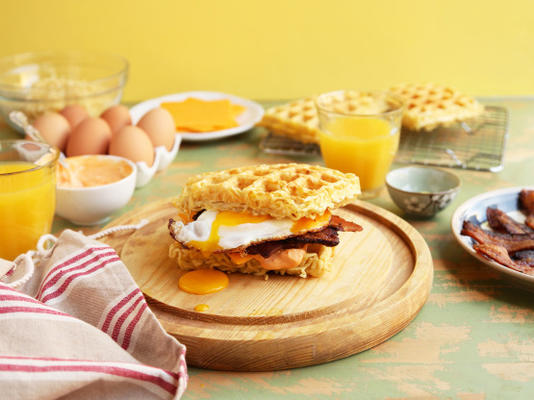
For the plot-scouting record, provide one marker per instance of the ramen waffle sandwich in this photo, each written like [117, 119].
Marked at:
[429, 106]
[262, 218]
[299, 119]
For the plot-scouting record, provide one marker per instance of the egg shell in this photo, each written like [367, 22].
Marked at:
[54, 128]
[159, 126]
[117, 117]
[132, 143]
[91, 136]
[74, 113]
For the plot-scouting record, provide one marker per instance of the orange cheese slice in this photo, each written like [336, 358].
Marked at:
[196, 115]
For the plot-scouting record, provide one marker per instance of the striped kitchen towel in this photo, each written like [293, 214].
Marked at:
[80, 328]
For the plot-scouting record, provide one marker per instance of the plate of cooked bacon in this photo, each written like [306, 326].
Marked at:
[498, 228]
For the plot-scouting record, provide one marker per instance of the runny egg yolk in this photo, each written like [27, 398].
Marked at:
[226, 218]
[235, 219]
[307, 224]
[203, 281]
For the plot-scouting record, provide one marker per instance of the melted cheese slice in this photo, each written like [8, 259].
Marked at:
[196, 115]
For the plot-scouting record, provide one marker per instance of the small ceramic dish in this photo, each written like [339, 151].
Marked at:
[93, 205]
[422, 191]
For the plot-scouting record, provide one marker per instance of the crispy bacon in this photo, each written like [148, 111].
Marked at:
[526, 201]
[526, 256]
[499, 254]
[328, 236]
[502, 222]
[511, 242]
[343, 225]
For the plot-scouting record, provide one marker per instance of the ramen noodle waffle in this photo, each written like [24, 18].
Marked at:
[316, 262]
[429, 106]
[282, 191]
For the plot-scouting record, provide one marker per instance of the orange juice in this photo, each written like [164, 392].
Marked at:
[364, 146]
[27, 203]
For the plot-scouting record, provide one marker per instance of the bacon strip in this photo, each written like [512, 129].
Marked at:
[328, 236]
[511, 242]
[499, 254]
[526, 255]
[502, 222]
[526, 201]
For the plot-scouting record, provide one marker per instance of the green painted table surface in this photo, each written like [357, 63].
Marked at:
[474, 338]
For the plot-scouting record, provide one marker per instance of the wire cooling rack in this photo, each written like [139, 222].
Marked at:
[478, 144]
[275, 144]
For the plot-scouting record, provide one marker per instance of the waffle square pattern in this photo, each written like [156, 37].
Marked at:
[428, 106]
[281, 190]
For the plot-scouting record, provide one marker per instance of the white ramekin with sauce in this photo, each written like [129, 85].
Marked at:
[93, 187]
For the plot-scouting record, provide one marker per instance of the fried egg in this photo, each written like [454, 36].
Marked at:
[215, 231]
[203, 281]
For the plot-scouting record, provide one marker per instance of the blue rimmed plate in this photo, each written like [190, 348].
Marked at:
[475, 208]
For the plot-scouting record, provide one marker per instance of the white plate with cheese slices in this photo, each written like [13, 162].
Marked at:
[247, 119]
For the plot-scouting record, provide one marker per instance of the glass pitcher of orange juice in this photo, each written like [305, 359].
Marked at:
[359, 133]
[27, 194]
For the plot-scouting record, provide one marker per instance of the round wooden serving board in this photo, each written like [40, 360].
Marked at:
[379, 280]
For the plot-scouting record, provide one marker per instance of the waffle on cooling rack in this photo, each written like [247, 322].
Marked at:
[428, 106]
[299, 119]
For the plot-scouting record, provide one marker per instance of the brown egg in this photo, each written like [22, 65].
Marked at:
[132, 143]
[117, 117]
[54, 128]
[159, 126]
[74, 114]
[91, 136]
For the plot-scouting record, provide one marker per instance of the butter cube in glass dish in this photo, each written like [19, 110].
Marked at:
[93, 187]
[422, 191]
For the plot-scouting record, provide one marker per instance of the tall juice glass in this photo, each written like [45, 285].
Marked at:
[27, 194]
[359, 133]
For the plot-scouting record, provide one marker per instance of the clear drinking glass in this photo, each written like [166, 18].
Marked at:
[27, 194]
[360, 133]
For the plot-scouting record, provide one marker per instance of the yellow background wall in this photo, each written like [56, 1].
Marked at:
[282, 49]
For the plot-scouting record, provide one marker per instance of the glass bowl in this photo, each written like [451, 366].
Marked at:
[37, 82]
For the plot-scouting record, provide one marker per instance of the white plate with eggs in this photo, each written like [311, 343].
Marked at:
[251, 116]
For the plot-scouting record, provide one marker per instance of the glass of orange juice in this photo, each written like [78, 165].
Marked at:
[359, 133]
[27, 194]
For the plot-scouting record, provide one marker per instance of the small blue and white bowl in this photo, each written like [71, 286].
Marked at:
[422, 191]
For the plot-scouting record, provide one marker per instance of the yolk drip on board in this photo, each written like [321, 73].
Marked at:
[202, 307]
[203, 281]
